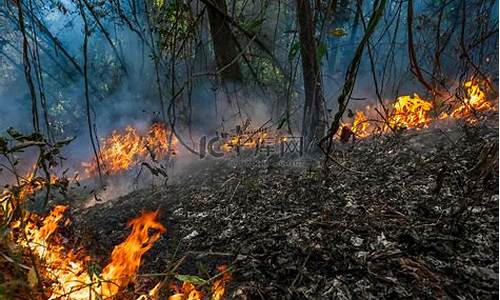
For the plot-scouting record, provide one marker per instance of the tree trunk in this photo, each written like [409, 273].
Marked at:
[312, 124]
[355, 23]
[226, 53]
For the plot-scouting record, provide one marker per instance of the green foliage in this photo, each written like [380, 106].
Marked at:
[191, 279]
[269, 74]
[174, 23]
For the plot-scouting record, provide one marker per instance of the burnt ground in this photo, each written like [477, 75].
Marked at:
[407, 216]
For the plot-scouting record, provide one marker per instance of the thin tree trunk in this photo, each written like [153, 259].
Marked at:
[312, 126]
[27, 69]
[355, 23]
[86, 85]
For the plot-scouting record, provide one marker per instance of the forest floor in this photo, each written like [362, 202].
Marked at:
[407, 216]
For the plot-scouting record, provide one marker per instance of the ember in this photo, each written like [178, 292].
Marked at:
[219, 286]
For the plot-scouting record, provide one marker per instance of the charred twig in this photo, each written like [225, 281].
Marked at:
[412, 54]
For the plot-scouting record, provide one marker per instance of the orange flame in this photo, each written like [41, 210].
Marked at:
[28, 185]
[474, 102]
[414, 112]
[219, 286]
[360, 125]
[245, 141]
[186, 292]
[410, 112]
[126, 257]
[123, 150]
[67, 270]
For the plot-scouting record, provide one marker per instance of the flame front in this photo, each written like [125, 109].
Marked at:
[123, 150]
[360, 125]
[126, 257]
[67, 270]
[414, 112]
[410, 112]
[475, 101]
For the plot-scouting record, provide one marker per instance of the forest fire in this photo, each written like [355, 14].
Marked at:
[219, 286]
[212, 150]
[65, 273]
[12, 197]
[244, 141]
[186, 291]
[476, 101]
[409, 112]
[414, 112]
[126, 257]
[67, 270]
[123, 150]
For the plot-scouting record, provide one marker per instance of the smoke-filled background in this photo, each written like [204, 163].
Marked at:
[160, 61]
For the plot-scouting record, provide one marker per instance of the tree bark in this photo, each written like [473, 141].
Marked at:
[225, 48]
[312, 124]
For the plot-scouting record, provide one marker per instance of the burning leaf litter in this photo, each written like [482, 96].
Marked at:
[414, 112]
[406, 230]
[68, 272]
[124, 150]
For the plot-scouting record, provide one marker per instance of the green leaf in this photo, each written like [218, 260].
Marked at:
[191, 279]
[337, 32]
